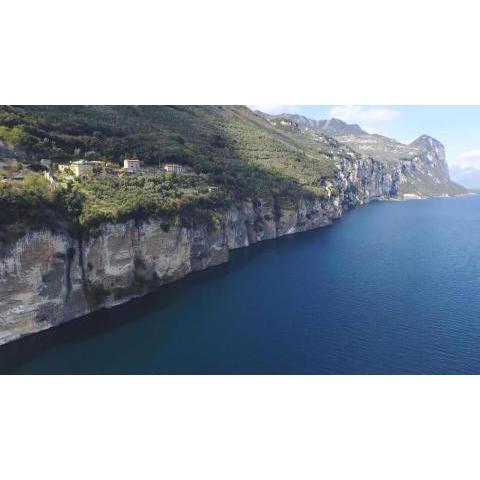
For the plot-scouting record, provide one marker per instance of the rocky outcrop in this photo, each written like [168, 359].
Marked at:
[426, 171]
[47, 278]
[420, 166]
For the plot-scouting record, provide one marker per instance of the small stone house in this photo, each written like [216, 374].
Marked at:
[80, 168]
[174, 168]
[131, 165]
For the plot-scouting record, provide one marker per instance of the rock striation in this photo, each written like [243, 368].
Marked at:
[50, 277]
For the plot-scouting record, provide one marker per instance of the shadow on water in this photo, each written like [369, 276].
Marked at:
[107, 320]
[104, 320]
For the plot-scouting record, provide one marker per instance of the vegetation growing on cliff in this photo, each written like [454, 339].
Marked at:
[195, 136]
[13, 135]
[230, 149]
[25, 202]
[231, 154]
[114, 199]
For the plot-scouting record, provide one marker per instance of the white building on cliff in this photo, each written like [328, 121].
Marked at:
[131, 165]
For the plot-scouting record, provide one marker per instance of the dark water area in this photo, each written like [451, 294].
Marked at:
[391, 288]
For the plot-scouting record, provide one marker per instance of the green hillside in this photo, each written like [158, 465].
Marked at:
[429, 177]
[229, 148]
[229, 152]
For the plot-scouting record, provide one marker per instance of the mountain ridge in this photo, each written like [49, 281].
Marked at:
[424, 158]
[86, 244]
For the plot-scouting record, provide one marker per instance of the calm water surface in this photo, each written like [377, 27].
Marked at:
[390, 288]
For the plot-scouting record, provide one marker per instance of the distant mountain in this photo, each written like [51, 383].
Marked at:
[422, 162]
[330, 127]
[69, 246]
[243, 155]
[469, 177]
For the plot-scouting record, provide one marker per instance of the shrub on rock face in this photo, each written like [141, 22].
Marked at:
[12, 136]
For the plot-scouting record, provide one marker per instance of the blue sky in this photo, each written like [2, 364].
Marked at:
[457, 127]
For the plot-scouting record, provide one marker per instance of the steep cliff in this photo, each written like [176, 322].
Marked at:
[421, 166]
[101, 242]
[48, 277]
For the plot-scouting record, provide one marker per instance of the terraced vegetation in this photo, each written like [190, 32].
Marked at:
[232, 154]
[230, 148]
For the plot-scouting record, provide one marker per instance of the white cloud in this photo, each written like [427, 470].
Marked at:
[469, 160]
[364, 115]
[276, 109]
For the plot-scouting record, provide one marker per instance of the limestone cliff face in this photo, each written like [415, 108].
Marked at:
[432, 156]
[47, 278]
[361, 179]
[426, 172]
[420, 167]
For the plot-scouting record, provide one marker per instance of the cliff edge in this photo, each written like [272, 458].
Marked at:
[88, 244]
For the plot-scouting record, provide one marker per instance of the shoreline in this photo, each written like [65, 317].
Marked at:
[218, 261]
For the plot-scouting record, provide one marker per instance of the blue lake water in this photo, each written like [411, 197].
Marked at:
[393, 287]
